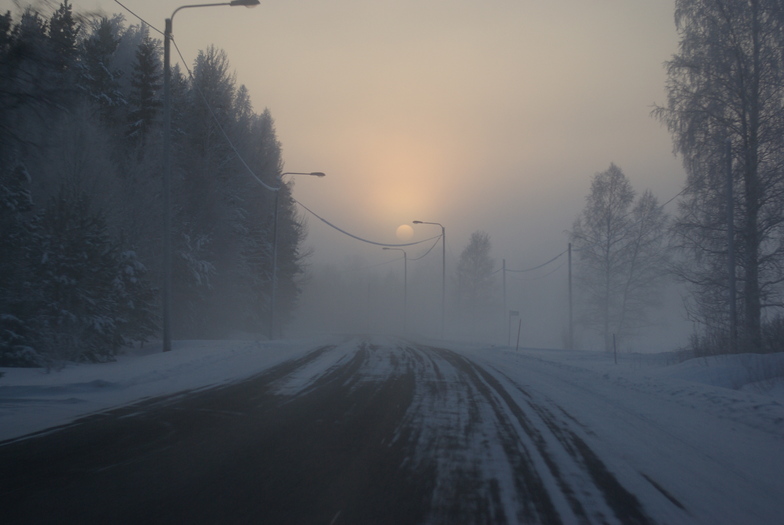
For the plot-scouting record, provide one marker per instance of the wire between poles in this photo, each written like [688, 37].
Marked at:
[538, 266]
[140, 18]
[435, 243]
[217, 122]
[344, 232]
[585, 247]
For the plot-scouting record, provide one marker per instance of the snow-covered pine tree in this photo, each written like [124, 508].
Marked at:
[146, 83]
[136, 310]
[16, 233]
[99, 77]
[76, 265]
[63, 35]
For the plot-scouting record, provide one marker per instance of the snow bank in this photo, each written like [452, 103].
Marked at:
[761, 374]
[32, 400]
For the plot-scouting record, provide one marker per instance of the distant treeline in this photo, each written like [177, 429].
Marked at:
[81, 201]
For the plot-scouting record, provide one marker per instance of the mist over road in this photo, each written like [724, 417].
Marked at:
[364, 431]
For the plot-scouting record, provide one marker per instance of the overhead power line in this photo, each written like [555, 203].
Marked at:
[539, 277]
[344, 232]
[217, 123]
[589, 245]
[539, 265]
[435, 242]
[250, 170]
[140, 18]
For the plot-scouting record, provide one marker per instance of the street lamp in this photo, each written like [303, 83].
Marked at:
[274, 283]
[443, 271]
[405, 283]
[167, 246]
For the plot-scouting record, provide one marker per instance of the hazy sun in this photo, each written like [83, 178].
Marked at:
[404, 232]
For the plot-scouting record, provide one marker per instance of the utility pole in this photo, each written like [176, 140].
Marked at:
[405, 285]
[571, 308]
[443, 271]
[503, 284]
[167, 168]
[731, 253]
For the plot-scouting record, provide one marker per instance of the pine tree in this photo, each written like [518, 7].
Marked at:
[136, 309]
[28, 86]
[290, 257]
[263, 152]
[86, 292]
[15, 235]
[63, 34]
[146, 82]
[6, 38]
[206, 199]
[99, 77]
[76, 266]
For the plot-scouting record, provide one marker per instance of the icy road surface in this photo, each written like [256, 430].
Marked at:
[389, 431]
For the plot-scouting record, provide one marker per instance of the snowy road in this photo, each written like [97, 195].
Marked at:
[389, 431]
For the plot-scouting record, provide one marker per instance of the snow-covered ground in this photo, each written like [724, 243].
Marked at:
[700, 440]
[739, 387]
[707, 434]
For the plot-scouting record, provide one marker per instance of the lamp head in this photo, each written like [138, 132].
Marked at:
[246, 3]
[417, 222]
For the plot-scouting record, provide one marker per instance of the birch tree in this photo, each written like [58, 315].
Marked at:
[475, 276]
[726, 85]
[621, 256]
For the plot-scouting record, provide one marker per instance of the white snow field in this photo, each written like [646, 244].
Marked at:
[699, 441]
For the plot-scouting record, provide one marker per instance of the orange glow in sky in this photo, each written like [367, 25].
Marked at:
[404, 232]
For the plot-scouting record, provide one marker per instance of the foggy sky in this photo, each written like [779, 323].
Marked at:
[488, 115]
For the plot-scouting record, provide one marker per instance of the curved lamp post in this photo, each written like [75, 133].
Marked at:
[443, 271]
[167, 245]
[274, 283]
[405, 283]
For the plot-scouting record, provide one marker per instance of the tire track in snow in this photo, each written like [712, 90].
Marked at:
[656, 444]
[475, 424]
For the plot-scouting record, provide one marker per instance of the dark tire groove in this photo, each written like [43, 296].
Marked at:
[623, 504]
[537, 506]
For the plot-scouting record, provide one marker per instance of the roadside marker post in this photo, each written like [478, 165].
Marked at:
[512, 313]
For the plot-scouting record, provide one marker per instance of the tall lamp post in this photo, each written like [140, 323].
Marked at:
[405, 284]
[274, 284]
[167, 245]
[443, 271]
